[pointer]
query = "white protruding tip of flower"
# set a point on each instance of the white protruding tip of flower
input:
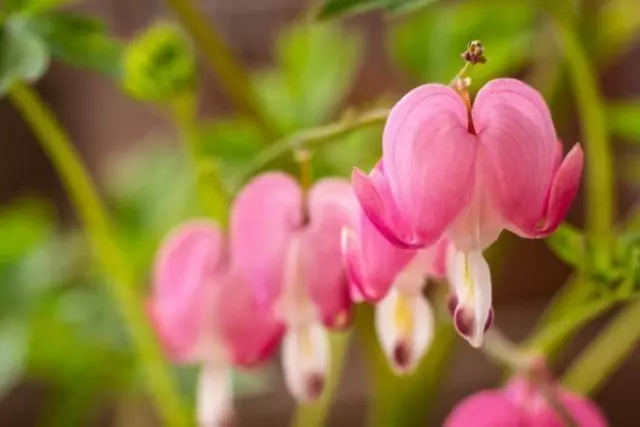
(214, 396)
(305, 361)
(405, 327)
(472, 286)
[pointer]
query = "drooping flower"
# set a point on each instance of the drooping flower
(205, 312)
(521, 404)
(394, 278)
(288, 245)
(467, 173)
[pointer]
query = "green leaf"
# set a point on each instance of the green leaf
(316, 66)
(335, 8)
(23, 226)
(23, 54)
(13, 345)
(568, 243)
(231, 144)
(34, 6)
(80, 41)
(623, 119)
(618, 24)
(427, 45)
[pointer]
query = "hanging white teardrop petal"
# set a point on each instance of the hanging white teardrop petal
(214, 396)
(405, 326)
(479, 269)
(424, 327)
(305, 360)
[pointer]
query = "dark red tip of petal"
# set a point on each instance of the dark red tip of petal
(490, 318)
(452, 304)
(463, 322)
(315, 386)
(401, 355)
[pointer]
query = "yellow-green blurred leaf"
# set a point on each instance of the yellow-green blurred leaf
(568, 244)
(623, 119)
(617, 28)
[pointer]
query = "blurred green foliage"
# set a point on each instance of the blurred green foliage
(335, 8)
(33, 31)
(426, 44)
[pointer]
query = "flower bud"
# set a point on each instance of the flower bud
(159, 64)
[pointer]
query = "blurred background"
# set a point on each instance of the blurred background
(64, 356)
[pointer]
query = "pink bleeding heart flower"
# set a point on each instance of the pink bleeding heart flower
(205, 312)
(394, 278)
(468, 173)
(522, 405)
(293, 259)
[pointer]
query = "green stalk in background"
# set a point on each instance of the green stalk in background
(614, 344)
(315, 415)
(600, 190)
(92, 213)
(229, 70)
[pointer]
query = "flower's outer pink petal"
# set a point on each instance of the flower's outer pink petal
(584, 413)
(376, 261)
(486, 409)
(264, 215)
(564, 188)
(518, 149)
(429, 159)
(332, 207)
(185, 270)
(249, 334)
(380, 208)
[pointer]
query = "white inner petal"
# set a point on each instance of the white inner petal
(472, 285)
(214, 395)
(405, 326)
(482, 294)
(305, 359)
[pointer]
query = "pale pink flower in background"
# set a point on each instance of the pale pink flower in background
(294, 262)
(394, 278)
(204, 312)
(467, 174)
(520, 404)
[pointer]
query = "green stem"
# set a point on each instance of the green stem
(601, 203)
(550, 339)
(308, 138)
(606, 352)
(122, 285)
(315, 415)
(230, 71)
(574, 291)
(212, 194)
